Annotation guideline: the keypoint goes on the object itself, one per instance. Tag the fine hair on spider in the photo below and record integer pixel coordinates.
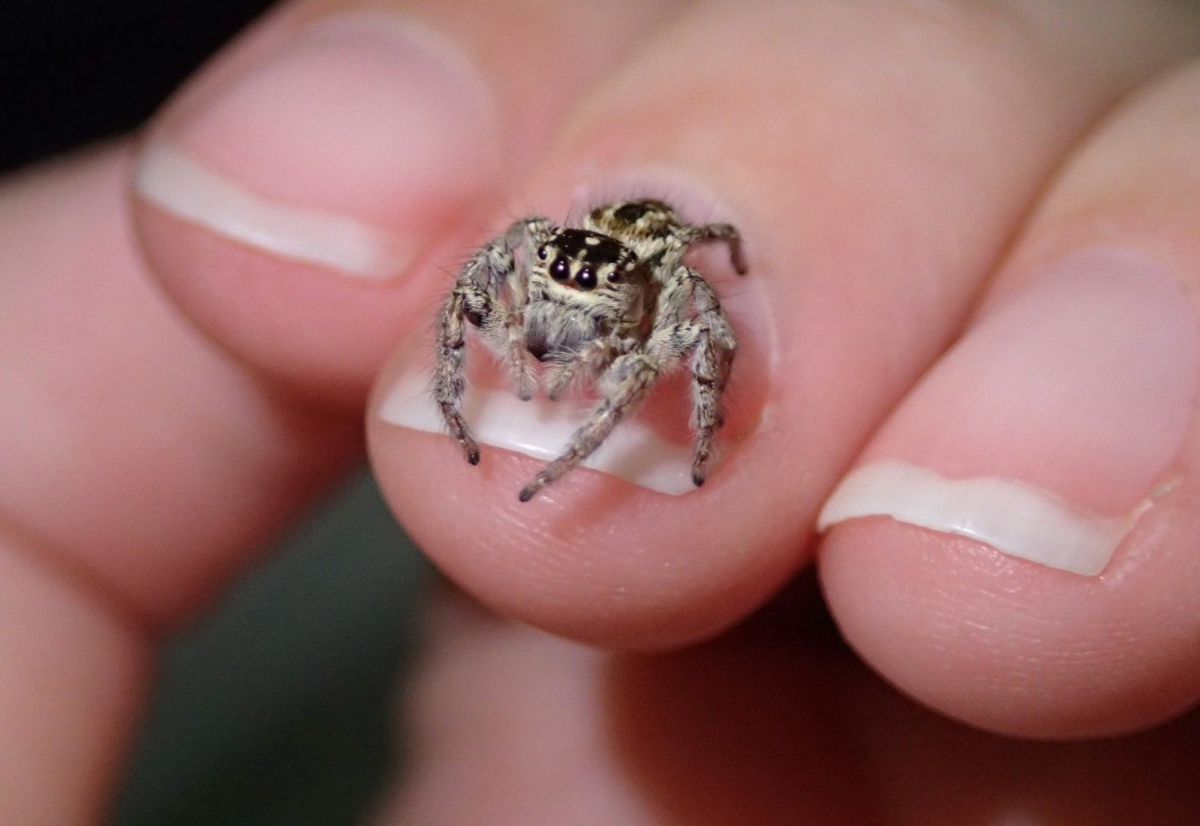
(607, 299)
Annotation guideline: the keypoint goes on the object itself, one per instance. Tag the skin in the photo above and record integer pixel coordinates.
(896, 169)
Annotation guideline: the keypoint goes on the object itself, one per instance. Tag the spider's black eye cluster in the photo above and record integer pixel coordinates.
(584, 258)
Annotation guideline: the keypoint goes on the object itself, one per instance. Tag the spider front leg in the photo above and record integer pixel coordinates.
(494, 271)
(626, 382)
(711, 363)
(588, 361)
(709, 340)
(449, 376)
(477, 298)
(490, 273)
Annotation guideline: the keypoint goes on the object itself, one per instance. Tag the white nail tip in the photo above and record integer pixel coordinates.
(173, 180)
(540, 428)
(1012, 517)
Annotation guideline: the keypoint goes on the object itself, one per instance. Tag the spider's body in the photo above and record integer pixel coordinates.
(610, 299)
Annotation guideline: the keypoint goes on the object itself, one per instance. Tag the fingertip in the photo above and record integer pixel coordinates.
(1008, 646)
(627, 550)
(288, 192)
(591, 557)
(283, 204)
(294, 324)
(1015, 546)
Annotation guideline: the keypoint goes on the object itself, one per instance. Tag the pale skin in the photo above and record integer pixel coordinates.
(894, 167)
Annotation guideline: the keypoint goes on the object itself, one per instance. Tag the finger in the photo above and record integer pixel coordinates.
(766, 725)
(139, 458)
(872, 210)
(285, 194)
(1059, 430)
(140, 468)
(73, 678)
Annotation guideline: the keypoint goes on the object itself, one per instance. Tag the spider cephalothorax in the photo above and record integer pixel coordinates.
(609, 300)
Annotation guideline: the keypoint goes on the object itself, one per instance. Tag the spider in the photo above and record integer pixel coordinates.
(610, 300)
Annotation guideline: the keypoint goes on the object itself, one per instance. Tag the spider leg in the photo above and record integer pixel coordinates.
(590, 360)
(727, 233)
(491, 270)
(627, 381)
(564, 369)
(709, 340)
(449, 382)
(477, 298)
(710, 372)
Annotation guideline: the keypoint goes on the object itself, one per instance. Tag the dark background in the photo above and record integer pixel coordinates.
(277, 707)
(72, 71)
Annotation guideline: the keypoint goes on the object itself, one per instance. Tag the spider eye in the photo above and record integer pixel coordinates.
(586, 279)
(542, 253)
(560, 270)
(629, 266)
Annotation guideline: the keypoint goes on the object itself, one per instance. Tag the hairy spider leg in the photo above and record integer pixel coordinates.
(726, 233)
(479, 298)
(626, 382)
(709, 341)
(449, 383)
(587, 362)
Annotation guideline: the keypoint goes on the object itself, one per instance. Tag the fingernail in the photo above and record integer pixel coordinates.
(1045, 430)
(541, 429)
(359, 137)
(1019, 519)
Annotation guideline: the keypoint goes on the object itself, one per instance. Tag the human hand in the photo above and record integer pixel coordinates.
(902, 175)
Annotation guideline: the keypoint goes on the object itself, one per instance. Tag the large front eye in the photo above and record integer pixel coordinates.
(586, 279)
(560, 270)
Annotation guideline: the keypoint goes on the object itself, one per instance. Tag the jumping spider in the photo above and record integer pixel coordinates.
(609, 300)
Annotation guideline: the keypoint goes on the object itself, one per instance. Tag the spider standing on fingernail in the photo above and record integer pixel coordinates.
(610, 300)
